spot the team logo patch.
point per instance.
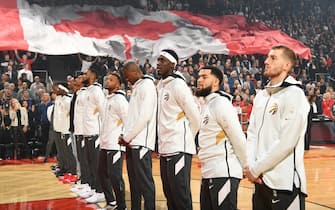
(220, 136)
(166, 97)
(180, 115)
(273, 108)
(119, 122)
(205, 120)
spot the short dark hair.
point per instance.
(117, 76)
(95, 68)
(215, 71)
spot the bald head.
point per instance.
(131, 66)
(132, 72)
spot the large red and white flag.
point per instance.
(125, 32)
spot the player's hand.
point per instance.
(122, 142)
(247, 173)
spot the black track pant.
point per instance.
(219, 193)
(265, 198)
(139, 166)
(110, 176)
(91, 154)
(80, 144)
(175, 174)
(70, 164)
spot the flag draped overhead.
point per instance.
(125, 32)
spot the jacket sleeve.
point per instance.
(251, 137)
(293, 121)
(186, 101)
(66, 105)
(99, 99)
(122, 109)
(227, 119)
(148, 98)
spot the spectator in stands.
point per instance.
(34, 88)
(322, 85)
(116, 66)
(13, 74)
(24, 87)
(31, 121)
(5, 62)
(231, 81)
(9, 93)
(237, 88)
(25, 71)
(241, 78)
(327, 104)
(43, 118)
(238, 104)
(245, 62)
(19, 126)
(237, 67)
(313, 112)
(25, 61)
(4, 79)
(6, 132)
(52, 134)
(86, 62)
(319, 99)
(184, 72)
(253, 70)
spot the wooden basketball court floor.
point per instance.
(32, 185)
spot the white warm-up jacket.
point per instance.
(178, 117)
(276, 136)
(140, 126)
(221, 139)
(79, 111)
(116, 108)
(94, 102)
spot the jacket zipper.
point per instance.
(260, 128)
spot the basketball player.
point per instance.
(178, 122)
(276, 137)
(222, 144)
(139, 136)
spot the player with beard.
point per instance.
(79, 112)
(93, 113)
(276, 137)
(178, 122)
(222, 144)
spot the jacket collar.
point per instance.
(289, 81)
(121, 92)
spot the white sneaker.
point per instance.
(83, 190)
(110, 206)
(77, 187)
(96, 198)
(86, 193)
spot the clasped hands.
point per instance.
(122, 142)
(247, 173)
